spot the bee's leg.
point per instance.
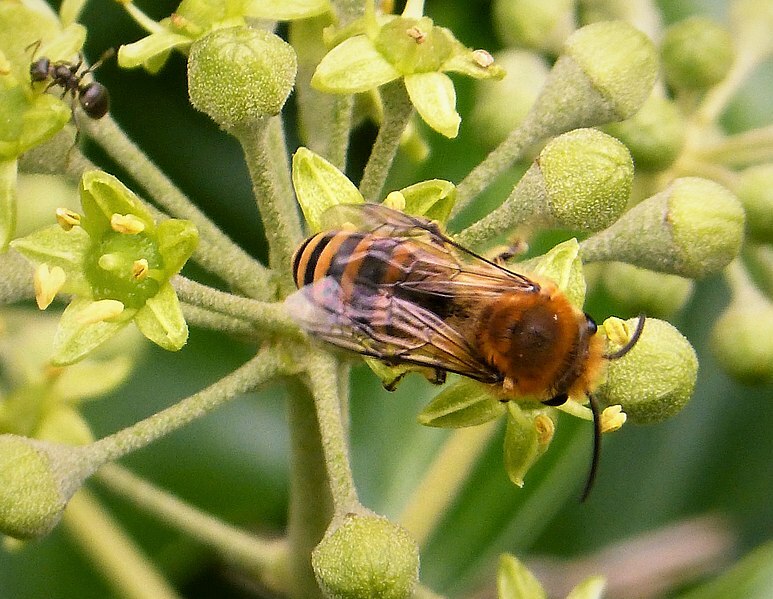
(502, 254)
(440, 377)
(558, 400)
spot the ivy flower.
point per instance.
(194, 19)
(414, 49)
(29, 116)
(116, 262)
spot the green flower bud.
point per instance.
(697, 53)
(500, 106)
(581, 181)
(37, 480)
(692, 229)
(755, 190)
(604, 74)
(539, 24)
(656, 378)
(238, 75)
(636, 290)
(655, 134)
(366, 556)
(742, 337)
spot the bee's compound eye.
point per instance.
(94, 99)
(591, 325)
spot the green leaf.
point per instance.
(514, 581)
(177, 240)
(56, 247)
(161, 320)
(431, 199)
(148, 50)
(7, 202)
(76, 337)
(353, 66)
(320, 185)
(285, 10)
(590, 588)
(434, 97)
(464, 403)
(102, 196)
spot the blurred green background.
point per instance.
(713, 459)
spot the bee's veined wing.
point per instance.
(376, 323)
(385, 222)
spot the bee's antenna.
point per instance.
(594, 464)
(631, 342)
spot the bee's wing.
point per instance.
(376, 323)
(385, 222)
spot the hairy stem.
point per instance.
(263, 558)
(311, 504)
(278, 211)
(217, 253)
(247, 377)
(127, 570)
(397, 112)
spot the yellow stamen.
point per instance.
(67, 218)
(140, 269)
(47, 283)
(546, 428)
(612, 418)
(395, 200)
(100, 311)
(127, 224)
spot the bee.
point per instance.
(93, 97)
(398, 289)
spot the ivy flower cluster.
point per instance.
(578, 126)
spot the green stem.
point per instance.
(265, 317)
(323, 383)
(256, 371)
(217, 253)
(214, 321)
(717, 99)
(311, 505)
(16, 282)
(127, 570)
(397, 113)
(264, 558)
(743, 149)
(502, 157)
(444, 479)
(338, 132)
(279, 212)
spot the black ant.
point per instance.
(93, 97)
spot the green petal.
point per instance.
(434, 97)
(92, 379)
(102, 195)
(353, 66)
(149, 49)
(7, 202)
(431, 199)
(56, 247)
(514, 581)
(64, 46)
(320, 185)
(590, 588)
(74, 339)
(522, 448)
(70, 10)
(563, 266)
(177, 240)
(285, 10)
(161, 320)
(464, 403)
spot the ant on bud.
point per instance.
(93, 97)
